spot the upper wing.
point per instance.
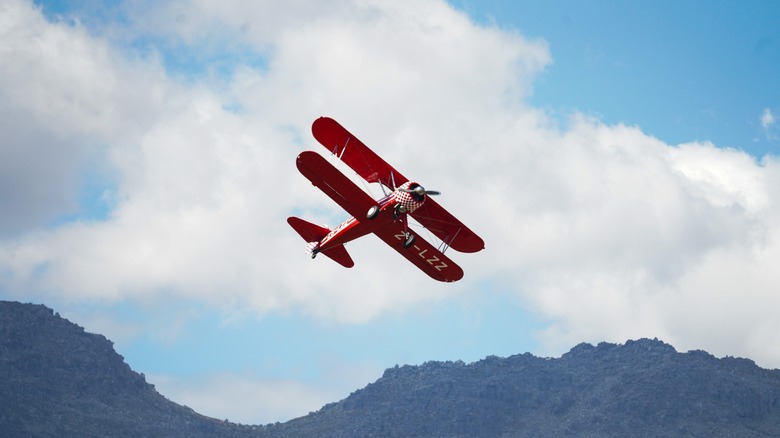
(446, 227)
(334, 184)
(424, 255)
(357, 155)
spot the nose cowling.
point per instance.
(409, 196)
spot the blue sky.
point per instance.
(619, 158)
(682, 71)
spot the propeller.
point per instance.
(420, 190)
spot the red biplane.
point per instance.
(386, 217)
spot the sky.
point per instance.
(619, 158)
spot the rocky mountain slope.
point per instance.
(58, 380)
(642, 388)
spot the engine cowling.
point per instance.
(407, 199)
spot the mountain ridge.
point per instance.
(58, 380)
(635, 389)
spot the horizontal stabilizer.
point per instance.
(309, 231)
(339, 255)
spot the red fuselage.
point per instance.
(392, 208)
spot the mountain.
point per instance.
(641, 389)
(58, 380)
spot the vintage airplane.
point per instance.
(386, 217)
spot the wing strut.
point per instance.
(445, 245)
(346, 143)
(335, 153)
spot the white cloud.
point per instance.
(203, 191)
(769, 124)
(603, 230)
(261, 401)
(767, 119)
(247, 399)
(63, 97)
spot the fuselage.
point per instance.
(393, 207)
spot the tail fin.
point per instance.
(312, 234)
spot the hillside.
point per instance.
(58, 380)
(641, 389)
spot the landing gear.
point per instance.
(372, 212)
(398, 210)
(409, 240)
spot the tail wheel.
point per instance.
(409, 241)
(372, 212)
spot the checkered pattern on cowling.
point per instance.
(406, 199)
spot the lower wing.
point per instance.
(421, 253)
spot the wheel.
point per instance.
(372, 212)
(409, 241)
